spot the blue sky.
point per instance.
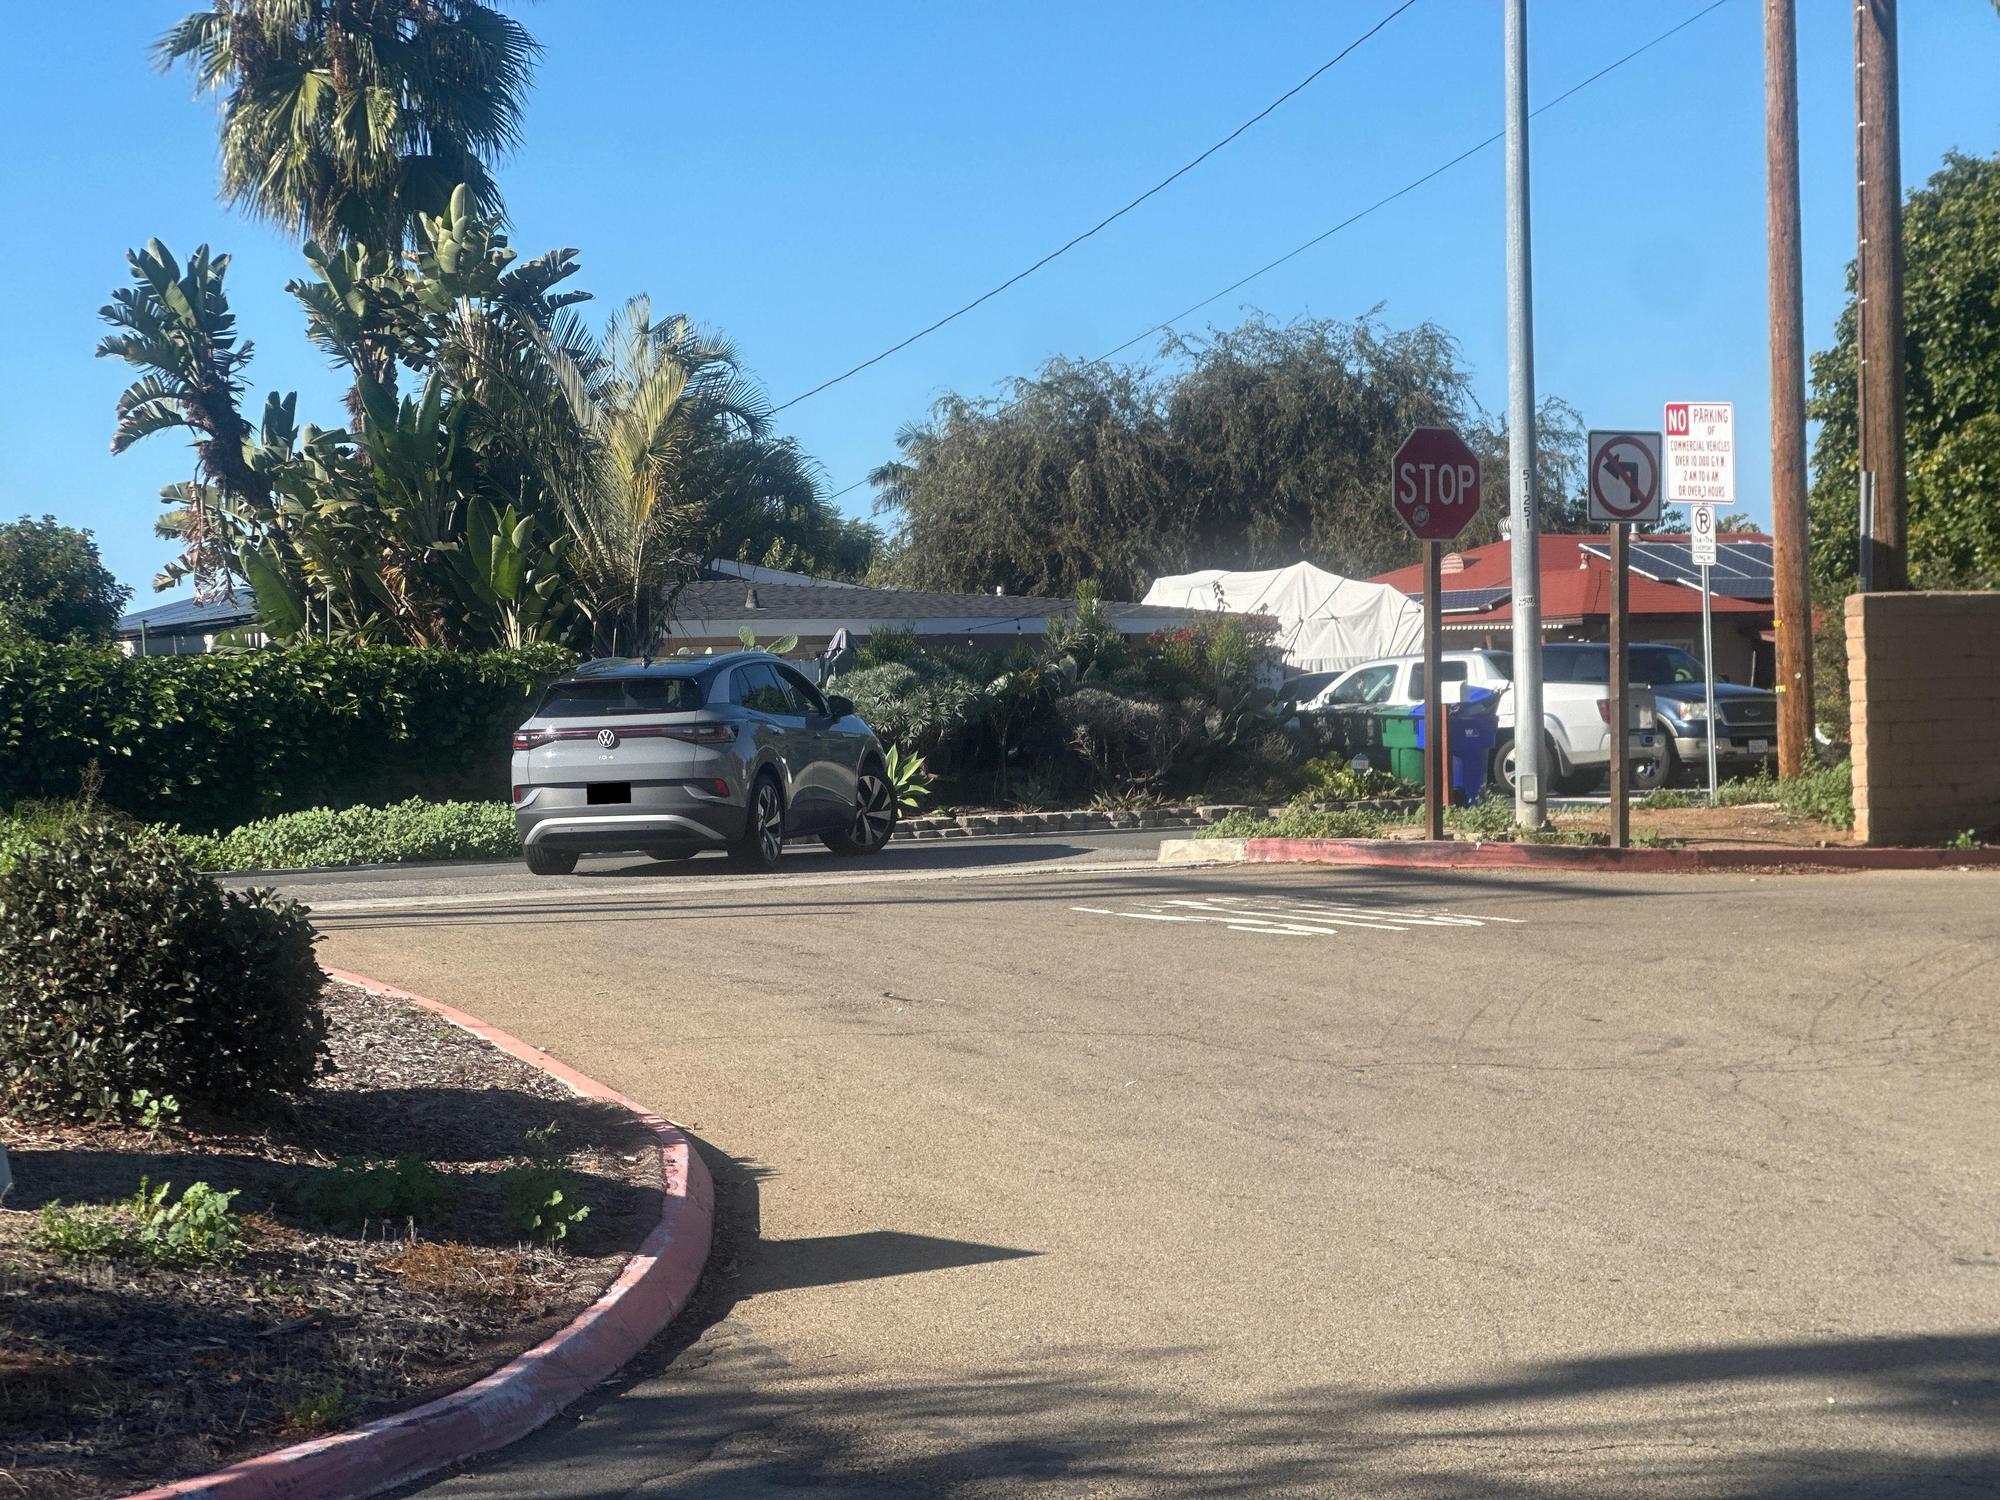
(820, 181)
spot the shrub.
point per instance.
(1123, 738)
(355, 1192)
(122, 969)
(1297, 821)
(1329, 778)
(412, 830)
(915, 704)
(211, 742)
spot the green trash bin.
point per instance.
(1402, 738)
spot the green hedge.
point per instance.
(411, 830)
(212, 742)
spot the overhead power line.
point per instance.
(1355, 218)
(1108, 219)
(1408, 187)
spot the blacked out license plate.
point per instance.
(602, 792)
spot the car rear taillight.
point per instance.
(694, 734)
(1604, 709)
(520, 792)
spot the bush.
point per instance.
(122, 970)
(412, 830)
(210, 742)
(1329, 778)
(915, 704)
(1298, 821)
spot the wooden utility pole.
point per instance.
(1793, 596)
(1879, 278)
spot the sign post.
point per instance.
(1701, 542)
(1701, 474)
(1624, 487)
(1435, 487)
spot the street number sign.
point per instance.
(1624, 482)
(1701, 534)
(1436, 483)
(1701, 453)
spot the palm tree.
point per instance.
(176, 326)
(648, 406)
(345, 119)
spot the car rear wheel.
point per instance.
(550, 861)
(1553, 770)
(874, 817)
(763, 841)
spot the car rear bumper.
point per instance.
(658, 817)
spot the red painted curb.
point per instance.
(1453, 855)
(530, 1388)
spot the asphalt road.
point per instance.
(1103, 1180)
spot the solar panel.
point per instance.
(1742, 569)
(1470, 601)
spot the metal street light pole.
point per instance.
(1529, 771)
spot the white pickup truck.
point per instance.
(1576, 716)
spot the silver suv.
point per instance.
(668, 758)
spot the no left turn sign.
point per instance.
(1624, 482)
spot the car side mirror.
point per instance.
(838, 706)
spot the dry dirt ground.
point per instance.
(118, 1373)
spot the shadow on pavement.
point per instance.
(708, 1412)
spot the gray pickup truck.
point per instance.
(1746, 727)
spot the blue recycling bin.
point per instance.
(1472, 728)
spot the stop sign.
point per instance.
(1436, 483)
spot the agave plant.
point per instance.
(908, 780)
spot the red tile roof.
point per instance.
(1575, 585)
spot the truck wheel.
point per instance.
(1553, 771)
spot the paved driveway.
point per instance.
(1105, 1181)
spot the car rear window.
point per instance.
(620, 695)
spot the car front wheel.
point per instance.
(874, 817)
(763, 840)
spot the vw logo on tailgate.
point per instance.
(607, 738)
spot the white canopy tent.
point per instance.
(1325, 622)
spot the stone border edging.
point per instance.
(536, 1384)
(1181, 815)
(1450, 854)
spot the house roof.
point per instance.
(1575, 584)
(186, 617)
(716, 607)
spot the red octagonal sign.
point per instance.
(1436, 485)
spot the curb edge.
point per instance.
(534, 1385)
(1422, 854)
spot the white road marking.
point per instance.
(1285, 917)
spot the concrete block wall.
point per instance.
(1925, 676)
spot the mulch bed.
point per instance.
(116, 1374)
